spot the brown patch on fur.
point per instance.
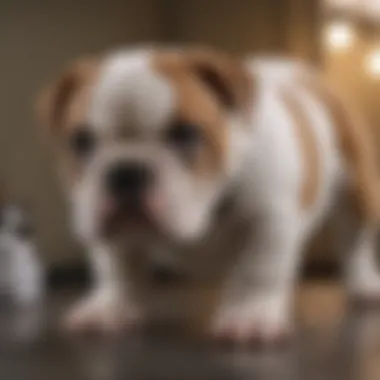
(208, 85)
(356, 145)
(308, 146)
(64, 104)
(225, 75)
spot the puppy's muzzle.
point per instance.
(128, 184)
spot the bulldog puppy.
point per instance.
(220, 167)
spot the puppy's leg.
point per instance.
(259, 294)
(109, 305)
(357, 244)
(363, 274)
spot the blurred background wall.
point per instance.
(274, 26)
(38, 37)
(351, 53)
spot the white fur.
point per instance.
(130, 92)
(266, 168)
(131, 96)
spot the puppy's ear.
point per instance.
(54, 100)
(225, 76)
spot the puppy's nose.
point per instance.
(128, 180)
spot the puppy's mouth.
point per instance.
(127, 217)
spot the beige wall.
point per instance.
(38, 37)
(287, 26)
(347, 70)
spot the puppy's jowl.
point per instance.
(155, 143)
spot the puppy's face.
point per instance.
(145, 139)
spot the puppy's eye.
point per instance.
(184, 135)
(82, 142)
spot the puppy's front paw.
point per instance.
(102, 313)
(260, 318)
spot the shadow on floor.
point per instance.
(332, 342)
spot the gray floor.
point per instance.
(333, 342)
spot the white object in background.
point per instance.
(339, 36)
(368, 9)
(21, 273)
(373, 63)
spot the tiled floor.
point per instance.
(333, 342)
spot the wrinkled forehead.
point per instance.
(131, 94)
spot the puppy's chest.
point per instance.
(208, 261)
